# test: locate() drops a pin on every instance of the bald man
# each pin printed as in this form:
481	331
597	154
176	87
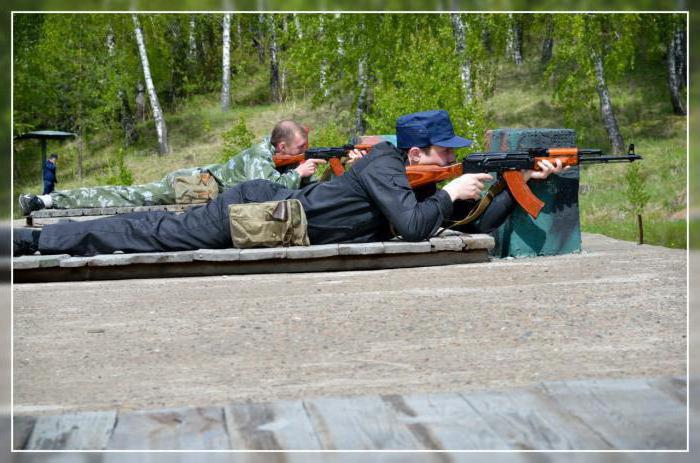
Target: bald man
287	137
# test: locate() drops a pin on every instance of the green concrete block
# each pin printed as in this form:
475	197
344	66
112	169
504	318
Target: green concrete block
557	229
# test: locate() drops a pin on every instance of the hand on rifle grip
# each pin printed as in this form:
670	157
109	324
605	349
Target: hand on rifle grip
308	167
546	168
354	155
467	186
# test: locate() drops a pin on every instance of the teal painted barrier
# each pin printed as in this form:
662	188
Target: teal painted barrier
557	228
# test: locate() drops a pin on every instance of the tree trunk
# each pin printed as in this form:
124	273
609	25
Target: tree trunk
161	129
297	26
322	78
362	98
465	64
274	64
258	39
226	81
239	32
111	45
192	41
548	43
81	136
127	120
140	102
675	52
606	108
518	41
283	68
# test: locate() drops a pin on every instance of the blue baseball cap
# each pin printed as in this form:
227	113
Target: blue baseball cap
428	128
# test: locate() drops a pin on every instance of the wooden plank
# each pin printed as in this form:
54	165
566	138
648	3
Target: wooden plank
525	420
676	387
38	261
75	431
72	262
105	211
171	429
174	257
279	425
218	255
312	252
119	267
359	423
478	241
445	421
400	247
360	249
628	413
446	243
21	430
262	253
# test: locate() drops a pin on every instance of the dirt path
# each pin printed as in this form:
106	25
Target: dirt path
617	310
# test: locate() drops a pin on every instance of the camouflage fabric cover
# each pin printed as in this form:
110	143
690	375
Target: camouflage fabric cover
195	189
268	224
252	163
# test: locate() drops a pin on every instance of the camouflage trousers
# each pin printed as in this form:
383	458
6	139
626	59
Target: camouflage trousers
149	194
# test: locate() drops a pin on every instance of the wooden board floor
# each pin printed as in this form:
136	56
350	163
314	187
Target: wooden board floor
609	414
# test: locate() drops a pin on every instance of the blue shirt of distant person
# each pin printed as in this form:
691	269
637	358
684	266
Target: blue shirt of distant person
50	174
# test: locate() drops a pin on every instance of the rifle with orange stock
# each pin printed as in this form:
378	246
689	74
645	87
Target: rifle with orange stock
507	166
332	154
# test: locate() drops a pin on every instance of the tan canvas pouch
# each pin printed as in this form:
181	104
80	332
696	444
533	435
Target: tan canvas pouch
269	224
195	189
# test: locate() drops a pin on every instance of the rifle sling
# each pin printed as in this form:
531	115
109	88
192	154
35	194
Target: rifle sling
476	211
480	207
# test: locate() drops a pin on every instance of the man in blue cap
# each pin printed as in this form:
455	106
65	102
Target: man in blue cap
370	202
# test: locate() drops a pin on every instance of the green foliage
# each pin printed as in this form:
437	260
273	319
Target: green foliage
123	175
236	139
636	191
425	76
579	39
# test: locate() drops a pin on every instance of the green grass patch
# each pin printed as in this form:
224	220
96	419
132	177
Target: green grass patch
645	118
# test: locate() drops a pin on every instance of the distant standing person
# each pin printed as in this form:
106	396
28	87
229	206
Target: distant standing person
50	174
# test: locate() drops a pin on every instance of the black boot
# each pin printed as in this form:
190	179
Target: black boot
25	241
30	203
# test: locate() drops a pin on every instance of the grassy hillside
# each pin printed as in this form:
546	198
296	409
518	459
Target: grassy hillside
519	100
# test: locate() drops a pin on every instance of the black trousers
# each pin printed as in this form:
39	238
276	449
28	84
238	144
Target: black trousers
201	227
48	187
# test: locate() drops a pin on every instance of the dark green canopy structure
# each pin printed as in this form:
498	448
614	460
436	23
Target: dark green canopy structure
44	135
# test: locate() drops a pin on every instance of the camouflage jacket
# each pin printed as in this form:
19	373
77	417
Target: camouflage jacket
253	163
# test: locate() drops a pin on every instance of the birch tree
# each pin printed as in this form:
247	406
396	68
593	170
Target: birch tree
226	66
192	39
465	64
514	48
594	49
158	118
548	41
675	65
274	63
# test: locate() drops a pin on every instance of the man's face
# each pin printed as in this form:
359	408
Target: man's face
437	155
298	145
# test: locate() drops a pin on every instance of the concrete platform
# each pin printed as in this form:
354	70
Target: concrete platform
450	248
615	311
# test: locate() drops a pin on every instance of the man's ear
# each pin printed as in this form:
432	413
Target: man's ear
414	155
281	147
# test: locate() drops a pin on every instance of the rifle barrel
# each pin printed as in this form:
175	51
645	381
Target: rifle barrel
605	159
